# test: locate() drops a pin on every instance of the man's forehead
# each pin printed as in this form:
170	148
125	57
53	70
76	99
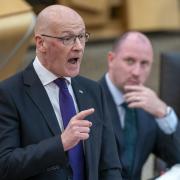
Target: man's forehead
135	43
58	13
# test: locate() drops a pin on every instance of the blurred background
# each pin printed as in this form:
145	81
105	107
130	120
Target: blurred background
105	20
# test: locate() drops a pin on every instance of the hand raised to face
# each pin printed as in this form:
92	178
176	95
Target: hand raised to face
139	96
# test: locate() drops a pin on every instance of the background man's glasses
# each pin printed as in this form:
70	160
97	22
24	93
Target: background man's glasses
71	39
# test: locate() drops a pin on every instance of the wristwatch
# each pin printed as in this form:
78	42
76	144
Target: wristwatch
168	110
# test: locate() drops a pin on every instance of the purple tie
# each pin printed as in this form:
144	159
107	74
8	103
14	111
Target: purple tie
75	155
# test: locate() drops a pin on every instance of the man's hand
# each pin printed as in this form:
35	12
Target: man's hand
77	129
139	96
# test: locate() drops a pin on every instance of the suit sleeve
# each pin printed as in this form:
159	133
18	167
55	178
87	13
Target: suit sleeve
110	164
168	146
17	162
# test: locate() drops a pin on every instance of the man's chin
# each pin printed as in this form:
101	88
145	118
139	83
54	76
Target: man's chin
73	74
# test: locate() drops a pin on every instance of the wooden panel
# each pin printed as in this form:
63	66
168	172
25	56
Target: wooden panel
109	31
13	7
91	5
15	35
152	15
94	13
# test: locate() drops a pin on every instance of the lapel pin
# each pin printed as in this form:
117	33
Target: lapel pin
80	91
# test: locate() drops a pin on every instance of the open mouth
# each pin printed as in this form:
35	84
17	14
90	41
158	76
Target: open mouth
73	60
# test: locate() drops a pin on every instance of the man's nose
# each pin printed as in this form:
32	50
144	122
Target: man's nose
136	70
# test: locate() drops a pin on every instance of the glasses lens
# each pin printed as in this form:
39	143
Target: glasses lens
87	35
70	40
83	37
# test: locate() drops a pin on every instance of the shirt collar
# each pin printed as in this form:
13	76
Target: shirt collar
44	74
115	92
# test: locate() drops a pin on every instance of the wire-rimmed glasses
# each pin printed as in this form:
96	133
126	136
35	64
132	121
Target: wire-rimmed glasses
71	39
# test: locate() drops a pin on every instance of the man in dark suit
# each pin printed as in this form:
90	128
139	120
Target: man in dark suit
152	126
35	144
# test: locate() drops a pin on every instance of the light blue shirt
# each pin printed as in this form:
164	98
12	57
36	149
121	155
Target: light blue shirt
167	124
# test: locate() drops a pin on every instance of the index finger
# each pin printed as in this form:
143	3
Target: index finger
84	113
130	88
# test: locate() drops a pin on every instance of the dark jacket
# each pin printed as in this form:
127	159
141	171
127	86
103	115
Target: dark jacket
150	139
30	143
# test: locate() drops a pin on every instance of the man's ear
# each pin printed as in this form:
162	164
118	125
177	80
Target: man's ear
40	45
110	56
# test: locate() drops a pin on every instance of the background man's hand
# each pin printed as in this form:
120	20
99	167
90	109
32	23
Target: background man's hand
139	96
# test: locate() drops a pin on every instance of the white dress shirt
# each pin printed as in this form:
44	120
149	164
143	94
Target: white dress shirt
47	78
167	124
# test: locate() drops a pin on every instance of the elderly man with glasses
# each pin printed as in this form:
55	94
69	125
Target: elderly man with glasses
54	124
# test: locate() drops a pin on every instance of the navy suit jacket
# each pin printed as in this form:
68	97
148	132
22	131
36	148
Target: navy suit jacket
30	143
150	139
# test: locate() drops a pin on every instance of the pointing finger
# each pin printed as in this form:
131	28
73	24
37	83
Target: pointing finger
84	113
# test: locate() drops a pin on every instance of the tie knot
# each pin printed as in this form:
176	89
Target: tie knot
61	83
125	105
126	108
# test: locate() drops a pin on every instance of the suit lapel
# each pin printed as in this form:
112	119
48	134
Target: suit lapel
37	93
85	102
80	93
115	119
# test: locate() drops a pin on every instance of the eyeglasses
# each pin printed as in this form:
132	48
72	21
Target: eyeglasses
71	39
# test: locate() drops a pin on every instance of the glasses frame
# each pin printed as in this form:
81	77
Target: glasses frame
74	37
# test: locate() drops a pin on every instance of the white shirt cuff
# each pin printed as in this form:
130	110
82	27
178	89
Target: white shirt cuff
168	123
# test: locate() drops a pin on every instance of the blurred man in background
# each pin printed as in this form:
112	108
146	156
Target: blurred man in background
143	123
